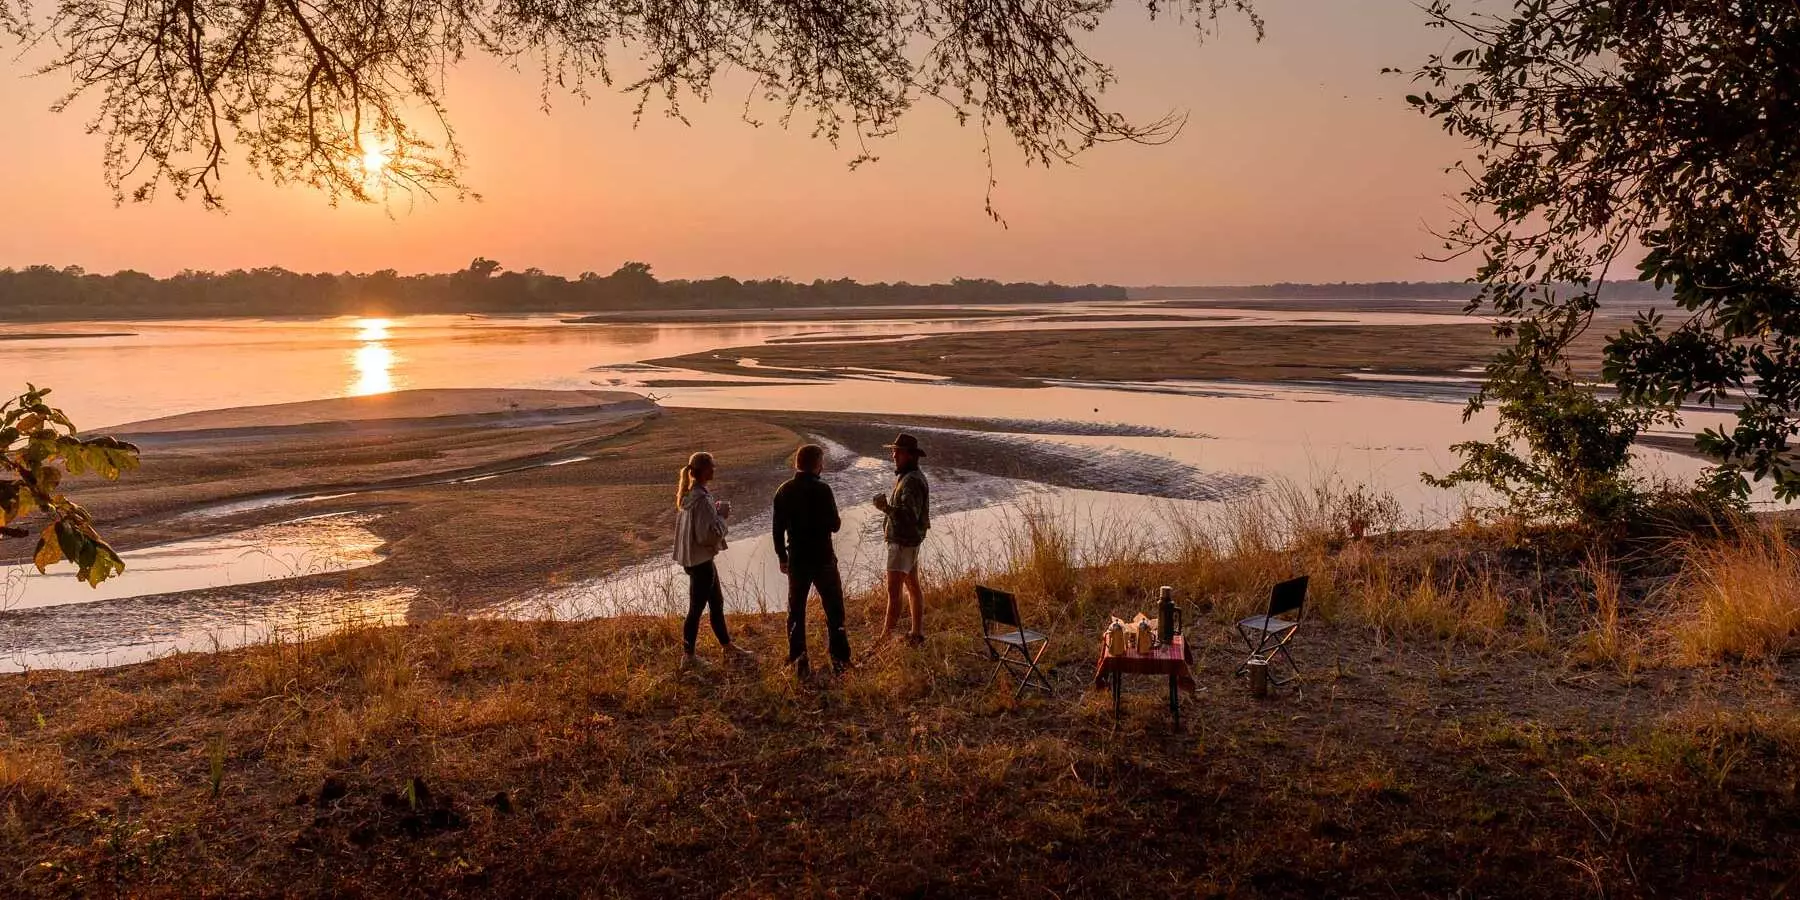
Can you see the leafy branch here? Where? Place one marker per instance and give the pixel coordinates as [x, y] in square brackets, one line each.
[307, 90]
[39, 447]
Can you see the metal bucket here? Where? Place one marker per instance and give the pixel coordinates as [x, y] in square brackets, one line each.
[1259, 677]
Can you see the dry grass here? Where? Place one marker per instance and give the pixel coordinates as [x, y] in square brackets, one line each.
[1740, 596]
[1605, 639]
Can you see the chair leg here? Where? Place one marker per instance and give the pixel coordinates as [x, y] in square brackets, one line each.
[1024, 683]
[1028, 670]
[1256, 649]
[998, 665]
[1043, 681]
[1282, 651]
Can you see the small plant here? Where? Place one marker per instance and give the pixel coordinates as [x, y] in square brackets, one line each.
[1561, 454]
[216, 764]
[1606, 640]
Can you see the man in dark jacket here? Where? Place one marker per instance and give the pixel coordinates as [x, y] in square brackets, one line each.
[806, 516]
[907, 512]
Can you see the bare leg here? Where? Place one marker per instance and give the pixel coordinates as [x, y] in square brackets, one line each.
[911, 580]
[895, 580]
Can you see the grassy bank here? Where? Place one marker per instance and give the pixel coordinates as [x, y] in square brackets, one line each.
[1478, 720]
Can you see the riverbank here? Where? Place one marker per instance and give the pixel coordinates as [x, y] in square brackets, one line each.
[1475, 722]
[479, 497]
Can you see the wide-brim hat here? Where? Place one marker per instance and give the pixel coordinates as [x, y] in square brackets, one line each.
[908, 443]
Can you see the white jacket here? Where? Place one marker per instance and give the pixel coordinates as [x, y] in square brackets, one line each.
[699, 529]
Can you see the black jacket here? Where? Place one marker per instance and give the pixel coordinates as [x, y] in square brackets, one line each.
[806, 516]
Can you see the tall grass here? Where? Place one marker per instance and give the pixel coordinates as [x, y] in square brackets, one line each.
[1605, 638]
[1740, 596]
[1736, 594]
[1075, 566]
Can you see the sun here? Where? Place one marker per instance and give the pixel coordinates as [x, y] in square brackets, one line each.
[376, 156]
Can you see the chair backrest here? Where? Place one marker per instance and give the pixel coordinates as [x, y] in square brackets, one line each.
[1288, 595]
[997, 607]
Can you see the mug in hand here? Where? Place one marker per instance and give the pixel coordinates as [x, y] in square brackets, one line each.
[724, 508]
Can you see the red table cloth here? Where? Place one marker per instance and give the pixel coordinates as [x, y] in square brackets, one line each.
[1169, 659]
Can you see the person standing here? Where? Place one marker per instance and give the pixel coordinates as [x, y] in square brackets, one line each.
[907, 508]
[700, 529]
[805, 518]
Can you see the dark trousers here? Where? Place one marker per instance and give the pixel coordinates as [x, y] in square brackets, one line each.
[803, 576]
[704, 593]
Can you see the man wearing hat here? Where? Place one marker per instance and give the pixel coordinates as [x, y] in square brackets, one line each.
[907, 509]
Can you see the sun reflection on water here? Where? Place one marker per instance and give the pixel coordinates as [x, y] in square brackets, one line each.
[373, 362]
[372, 329]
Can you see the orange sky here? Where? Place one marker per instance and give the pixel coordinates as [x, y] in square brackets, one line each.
[1299, 163]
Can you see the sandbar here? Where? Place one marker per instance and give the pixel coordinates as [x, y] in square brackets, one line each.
[419, 404]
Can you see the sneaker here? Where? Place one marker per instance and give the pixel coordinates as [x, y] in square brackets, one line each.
[802, 669]
[736, 654]
[690, 662]
[915, 640]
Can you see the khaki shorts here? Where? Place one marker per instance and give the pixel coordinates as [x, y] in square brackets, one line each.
[902, 559]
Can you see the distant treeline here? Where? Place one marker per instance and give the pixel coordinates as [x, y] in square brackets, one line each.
[48, 293]
[1622, 291]
[45, 293]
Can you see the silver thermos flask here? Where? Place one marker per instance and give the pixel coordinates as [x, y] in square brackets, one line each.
[1168, 615]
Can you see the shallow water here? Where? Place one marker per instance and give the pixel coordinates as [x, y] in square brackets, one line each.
[177, 596]
[308, 546]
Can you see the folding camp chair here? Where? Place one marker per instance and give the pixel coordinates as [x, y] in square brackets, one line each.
[1009, 643]
[1267, 636]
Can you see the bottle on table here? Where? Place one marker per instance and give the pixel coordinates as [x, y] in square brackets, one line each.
[1168, 615]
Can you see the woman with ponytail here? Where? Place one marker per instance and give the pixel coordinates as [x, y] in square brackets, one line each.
[699, 536]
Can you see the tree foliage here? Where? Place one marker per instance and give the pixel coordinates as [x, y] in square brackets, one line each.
[46, 293]
[1664, 133]
[39, 447]
[307, 88]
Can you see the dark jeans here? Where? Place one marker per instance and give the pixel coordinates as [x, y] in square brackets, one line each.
[704, 593]
[803, 576]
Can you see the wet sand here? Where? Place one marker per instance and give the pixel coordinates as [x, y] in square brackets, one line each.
[447, 405]
[1011, 449]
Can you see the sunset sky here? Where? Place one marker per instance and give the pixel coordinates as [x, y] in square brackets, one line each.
[1299, 163]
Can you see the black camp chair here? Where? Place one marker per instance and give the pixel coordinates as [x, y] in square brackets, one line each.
[1267, 636]
[1009, 643]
